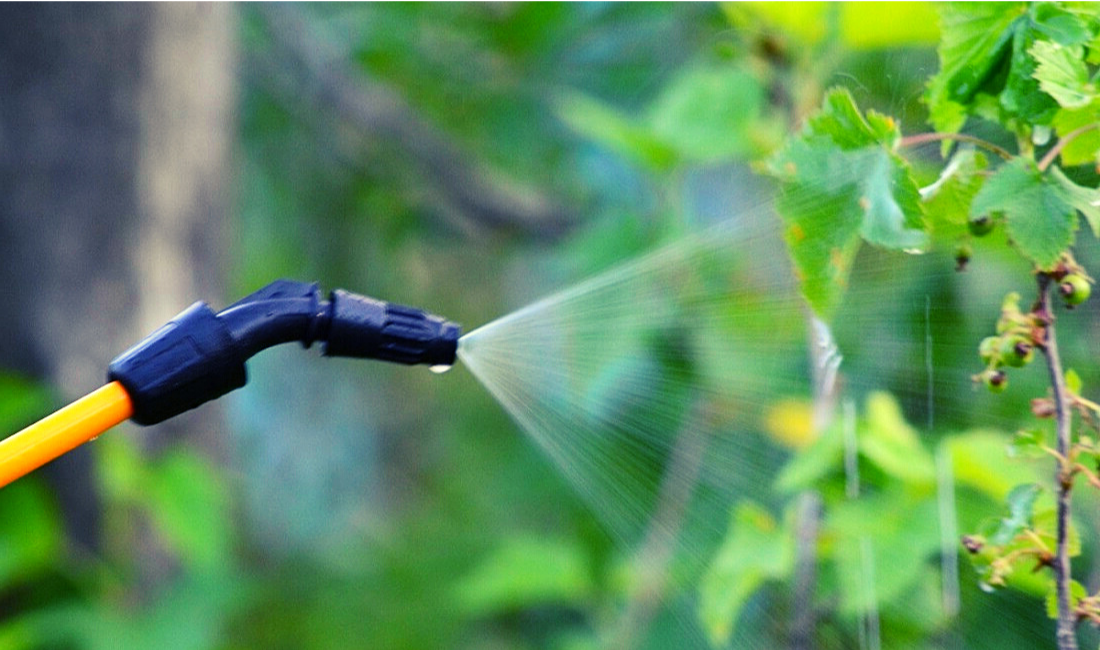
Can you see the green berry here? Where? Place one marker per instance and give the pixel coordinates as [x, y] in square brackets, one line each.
[989, 347]
[981, 226]
[1020, 352]
[1074, 289]
[995, 380]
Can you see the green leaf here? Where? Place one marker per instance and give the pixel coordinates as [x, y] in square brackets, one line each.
[707, 114]
[1045, 525]
[1073, 382]
[525, 572]
[814, 463]
[1077, 591]
[1062, 73]
[1083, 199]
[1085, 148]
[947, 201]
[756, 549]
[1022, 99]
[889, 442]
[1020, 502]
[1005, 61]
[616, 131]
[1028, 443]
[842, 182]
[979, 461]
[976, 40]
[893, 533]
[1064, 26]
[1039, 210]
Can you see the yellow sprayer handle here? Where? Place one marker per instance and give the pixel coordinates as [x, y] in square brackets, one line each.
[63, 431]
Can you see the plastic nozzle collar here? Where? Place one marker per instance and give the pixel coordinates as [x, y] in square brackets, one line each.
[200, 355]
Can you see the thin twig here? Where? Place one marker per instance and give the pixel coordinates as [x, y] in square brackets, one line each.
[1066, 634]
[1048, 159]
[924, 138]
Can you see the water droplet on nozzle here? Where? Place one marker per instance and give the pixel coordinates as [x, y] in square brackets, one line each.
[439, 369]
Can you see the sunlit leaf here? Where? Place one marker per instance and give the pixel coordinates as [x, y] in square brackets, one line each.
[756, 549]
[1045, 524]
[1062, 73]
[976, 40]
[861, 26]
[1085, 147]
[979, 461]
[813, 463]
[1077, 591]
[889, 442]
[1073, 382]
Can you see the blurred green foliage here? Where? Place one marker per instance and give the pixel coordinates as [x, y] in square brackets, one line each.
[450, 530]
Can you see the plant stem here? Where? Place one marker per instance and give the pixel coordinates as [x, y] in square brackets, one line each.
[1062, 142]
[924, 138]
[1066, 634]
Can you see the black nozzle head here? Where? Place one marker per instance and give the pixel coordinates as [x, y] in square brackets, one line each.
[200, 355]
[366, 328]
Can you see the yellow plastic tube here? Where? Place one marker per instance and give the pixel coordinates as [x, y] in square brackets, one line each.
[63, 431]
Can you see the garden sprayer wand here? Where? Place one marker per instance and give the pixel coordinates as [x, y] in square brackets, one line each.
[200, 355]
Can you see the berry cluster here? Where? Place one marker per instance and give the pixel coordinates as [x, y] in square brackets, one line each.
[1019, 333]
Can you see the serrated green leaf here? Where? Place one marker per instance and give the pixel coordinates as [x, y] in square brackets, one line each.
[1085, 148]
[1063, 25]
[756, 549]
[1062, 73]
[1077, 591]
[1020, 502]
[987, 66]
[843, 182]
[1083, 199]
[976, 41]
[1073, 381]
[1038, 211]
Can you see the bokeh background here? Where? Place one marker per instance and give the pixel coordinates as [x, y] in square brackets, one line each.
[463, 158]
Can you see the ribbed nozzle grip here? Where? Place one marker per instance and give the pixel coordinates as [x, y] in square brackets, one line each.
[363, 327]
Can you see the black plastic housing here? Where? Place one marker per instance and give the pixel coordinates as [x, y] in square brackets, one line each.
[200, 356]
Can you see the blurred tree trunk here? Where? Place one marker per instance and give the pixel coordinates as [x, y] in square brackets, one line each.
[116, 124]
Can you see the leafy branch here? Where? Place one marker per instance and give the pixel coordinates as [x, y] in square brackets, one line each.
[1031, 69]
